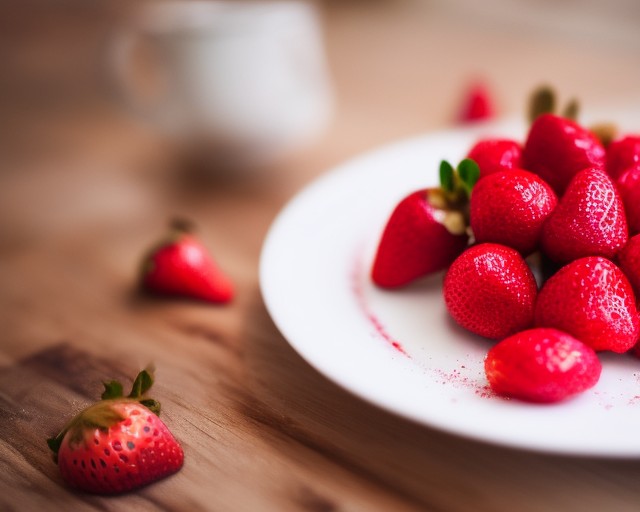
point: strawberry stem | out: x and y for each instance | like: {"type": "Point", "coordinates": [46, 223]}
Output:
{"type": "Point", "coordinates": [543, 101]}
{"type": "Point", "coordinates": [571, 110]}
{"type": "Point", "coordinates": [182, 225]}
{"type": "Point", "coordinates": [112, 389]}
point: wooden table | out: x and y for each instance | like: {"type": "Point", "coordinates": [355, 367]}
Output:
{"type": "Point", "coordinates": [85, 190]}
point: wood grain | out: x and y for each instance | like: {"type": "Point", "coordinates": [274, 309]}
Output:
{"type": "Point", "coordinates": [84, 191]}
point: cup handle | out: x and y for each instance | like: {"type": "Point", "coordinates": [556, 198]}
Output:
{"type": "Point", "coordinates": [120, 64]}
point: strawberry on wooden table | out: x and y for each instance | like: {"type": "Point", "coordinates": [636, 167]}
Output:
{"type": "Point", "coordinates": [589, 219]}
{"type": "Point", "coordinates": [118, 444]}
{"type": "Point", "coordinates": [490, 290]}
{"type": "Point", "coordinates": [180, 265]}
{"type": "Point", "coordinates": [426, 230]}
{"type": "Point", "coordinates": [541, 365]}
{"type": "Point", "coordinates": [591, 299]}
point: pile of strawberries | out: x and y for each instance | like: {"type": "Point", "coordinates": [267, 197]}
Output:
{"type": "Point", "coordinates": [565, 204]}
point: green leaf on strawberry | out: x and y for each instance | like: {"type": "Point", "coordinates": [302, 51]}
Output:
{"type": "Point", "coordinates": [447, 179]}
{"type": "Point", "coordinates": [469, 173]}
{"type": "Point", "coordinates": [142, 384]}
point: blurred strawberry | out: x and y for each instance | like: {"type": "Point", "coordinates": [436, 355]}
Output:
{"type": "Point", "coordinates": [628, 184]}
{"type": "Point", "coordinates": [629, 261]}
{"type": "Point", "coordinates": [623, 154]}
{"type": "Point", "coordinates": [477, 104]}
{"type": "Point", "coordinates": [181, 266]}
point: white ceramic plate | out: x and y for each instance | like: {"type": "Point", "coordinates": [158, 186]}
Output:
{"type": "Point", "coordinates": [399, 349]}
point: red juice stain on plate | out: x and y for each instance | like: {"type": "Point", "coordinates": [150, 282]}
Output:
{"type": "Point", "coordinates": [459, 379]}
{"type": "Point", "coordinates": [358, 291]}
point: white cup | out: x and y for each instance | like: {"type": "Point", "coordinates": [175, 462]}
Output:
{"type": "Point", "coordinates": [247, 79]}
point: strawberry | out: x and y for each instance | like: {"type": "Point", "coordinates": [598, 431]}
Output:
{"type": "Point", "coordinates": [490, 291]}
{"type": "Point", "coordinates": [509, 208]}
{"type": "Point", "coordinates": [426, 230]}
{"type": "Point", "coordinates": [623, 154]}
{"type": "Point", "coordinates": [589, 219]}
{"type": "Point", "coordinates": [541, 365]}
{"type": "Point", "coordinates": [557, 148]}
{"type": "Point", "coordinates": [118, 444]}
{"type": "Point", "coordinates": [180, 265]}
{"type": "Point", "coordinates": [629, 262]}
{"type": "Point", "coordinates": [628, 184]}
{"type": "Point", "coordinates": [591, 299]}
{"type": "Point", "coordinates": [493, 155]}
{"type": "Point", "coordinates": [477, 104]}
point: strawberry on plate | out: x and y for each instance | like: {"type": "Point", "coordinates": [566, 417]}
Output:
{"type": "Point", "coordinates": [628, 184]}
{"type": "Point", "coordinates": [629, 261]}
{"type": "Point", "coordinates": [541, 365]}
{"type": "Point", "coordinates": [510, 208]}
{"type": "Point", "coordinates": [622, 154]}
{"type": "Point", "coordinates": [557, 148]}
{"type": "Point", "coordinates": [490, 290]}
{"type": "Point", "coordinates": [495, 154]}
{"type": "Point", "coordinates": [589, 219]}
{"type": "Point", "coordinates": [118, 444]}
{"type": "Point", "coordinates": [180, 265]}
{"type": "Point", "coordinates": [591, 299]}
{"type": "Point", "coordinates": [426, 230]}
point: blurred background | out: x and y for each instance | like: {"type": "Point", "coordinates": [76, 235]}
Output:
{"type": "Point", "coordinates": [377, 71]}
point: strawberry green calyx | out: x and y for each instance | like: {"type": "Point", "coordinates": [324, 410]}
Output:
{"type": "Point", "coordinates": [543, 101]}
{"type": "Point", "coordinates": [456, 184]}
{"type": "Point", "coordinates": [102, 415]}
{"type": "Point", "coordinates": [452, 197]}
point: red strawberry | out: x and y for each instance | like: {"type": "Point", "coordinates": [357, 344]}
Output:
{"type": "Point", "coordinates": [628, 184]}
{"type": "Point", "coordinates": [490, 291]}
{"type": "Point", "coordinates": [118, 444]}
{"type": "Point", "coordinates": [623, 154]}
{"type": "Point", "coordinates": [426, 231]}
{"type": "Point", "coordinates": [493, 155]}
{"type": "Point", "coordinates": [477, 104]}
{"type": "Point", "coordinates": [629, 261]}
{"type": "Point", "coordinates": [591, 299]}
{"type": "Point", "coordinates": [180, 265]}
{"type": "Point", "coordinates": [589, 220]}
{"type": "Point", "coordinates": [557, 148]}
{"type": "Point", "coordinates": [509, 208]}
{"type": "Point", "coordinates": [415, 242]}
{"type": "Point", "coordinates": [541, 365]}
